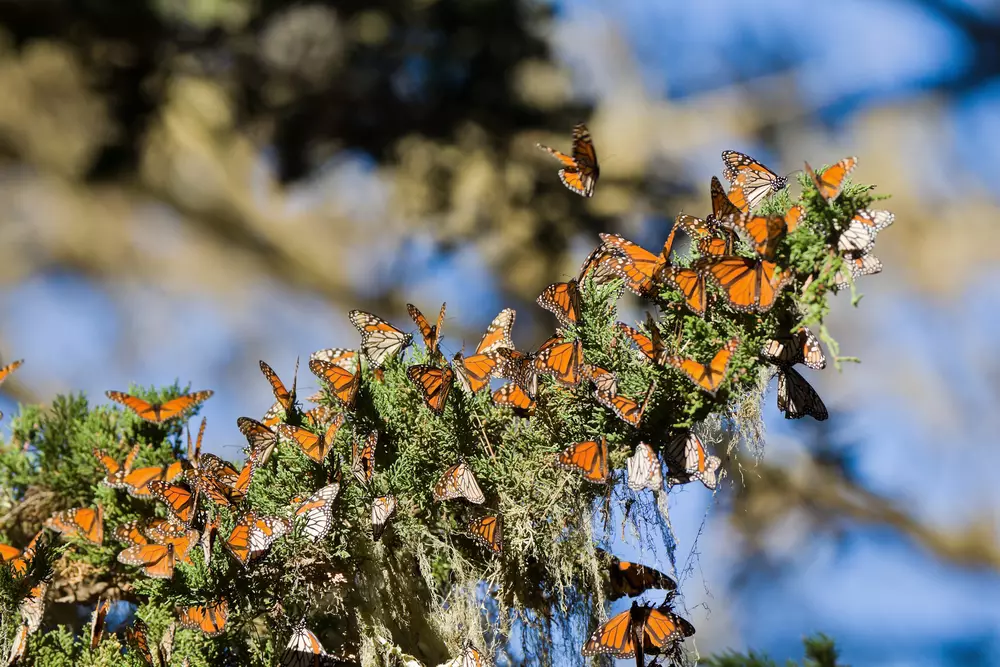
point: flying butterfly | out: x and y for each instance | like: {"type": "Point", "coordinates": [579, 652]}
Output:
{"type": "Point", "coordinates": [363, 459]}
{"type": "Point", "coordinates": [431, 334]}
{"type": "Point", "coordinates": [20, 559]}
{"type": "Point", "coordinates": [857, 266]}
{"type": "Point", "coordinates": [253, 534]}
{"type": "Point", "coordinates": [563, 301]}
{"type": "Point", "coordinates": [84, 522]}
{"type": "Point", "coordinates": [750, 285]}
{"type": "Point", "coordinates": [10, 368]}
{"type": "Point", "coordinates": [633, 579]}
{"type": "Point", "coordinates": [628, 410]}
{"type": "Point", "coordinates": [644, 471]}
{"type": "Point", "coordinates": [474, 373]}
{"type": "Point", "coordinates": [316, 512]}
{"type": "Point", "coordinates": [383, 507]}
{"type": "Point", "coordinates": [159, 412]}
{"type": "Point", "coordinates": [830, 182]}
{"type": "Point", "coordinates": [709, 377]}
{"type": "Point", "coordinates": [303, 650]}
{"type": "Point", "coordinates": [497, 334]}
{"type": "Point", "coordinates": [641, 629]}
{"type": "Point", "coordinates": [579, 172]}
{"type": "Point", "coordinates": [797, 398]}
{"type": "Point", "coordinates": [210, 619]}
{"type": "Point", "coordinates": [379, 339]}
{"type": "Point", "coordinates": [434, 384]}
{"type": "Point", "coordinates": [561, 359]}
{"type": "Point", "coordinates": [458, 481]}
{"type": "Point", "coordinates": [687, 460]}
{"type": "Point", "coordinates": [314, 446]}
{"type": "Point", "coordinates": [512, 396]}
{"type": "Point", "coordinates": [722, 208]}
{"type": "Point", "coordinates": [488, 531]}
{"type": "Point", "coordinates": [343, 383]}
{"type": "Point", "coordinates": [589, 458]}
{"type": "Point", "coordinates": [799, 347]}
{"type": "Point", "coordinates": [749, 180]}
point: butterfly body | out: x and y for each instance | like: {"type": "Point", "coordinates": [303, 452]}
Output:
{"type": "Point", "coordinates": [580, 171]}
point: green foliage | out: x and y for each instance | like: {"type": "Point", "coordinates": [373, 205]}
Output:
{"type": "Point", "coordinates": [820, 652]}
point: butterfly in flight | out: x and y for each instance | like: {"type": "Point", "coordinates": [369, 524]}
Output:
{"type": "Point", "coordinates": [379, 339]}
{"type": "Point", "coordinates": [20, 559]}
{"type": "Point", "coordinates": [383, 507]}
{"type": "Point", "coordinates": [797, 398]}
{"type": "Point", "coordinates": [830, 182]}
{"type": "Point", "coordinates": [314, 446]}
{"type": "Point", "coordinates": [488, 531]}
{"type": "Point", "coordinates": [799, 347]}
{"type": "Point", "coordinates": [475, 372]}
{"type": "Point", "coordinates": [159, 412]}
{"type": "Point", "coordinates": [431, 334]}
{"type": "Point", "coordinates": [644, 471]}
{"type": "Point", "coordinates": [563, 301]}
{"type": "Point", "coordinates": [210, 619]}
{"type": "Point", "coordinates": [641, 630]}
{"type": "Point", "coordinates": [458, 481]}
{"type": "Point", "coordinates": [749, 180]}
{"type": "Point", "coordinates": [633, 579]}
{"type": "Point", "coordinates": [363, 459]}
{"type": "Point", "coordinates": [84, 522]}
{"type": "Point", "coordinates": [579, 172]}
{"type": "Point", "coordinates": [589, 458]}
{"type": "Point", "coordinates": [434, 384]}
{"type": "Point", "coordinates": [316, 512]}
{"type": "Point", "coordinates": [709, 377]}
{"type": "Point", "coordinates": [750, 285]}
{"type": "Point", "coordinates": [687, 460]}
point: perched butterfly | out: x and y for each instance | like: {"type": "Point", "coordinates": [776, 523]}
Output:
{"type": "Point", "coordinates": [749, 181]}
{"type": "Point", "coordinates": [137, 637]}
{"type": "Point", "coordinates": [800, 347]}
{"type": "Point", "coordinates": [520, 369]}
{"type": "Point", "coordinates": [797, 398]}
{"type": "Point", "coordinates": [632, 579]}
{"type": "Point", "coordinates": [512, 396]}
{"type": "Point", "coordinates": [19, 559]}
{"type": "Point", "coordinates": [643, 629]}
{"type": "Point", "coordinates": [469, 657]}
{"type": "Point", "coordinates": [497, 335]}
{"type": "Point", "coordinates": [431, 334]}
{"type": "Point", "coordinates": [316, 512]}
{"type": "Point", "coordinates": [750, 285]}
{"type": "Point", "coordinates": [303, 650]}
{"type": "Point", "coordinates": [458, 481]}
{"type": "Point", "coordinates": [97, 623]}
{"type": "Point", "coordinates": [722, 208]}
{"type": "Point", "coordinates": [639, 267]}
{"type": "Point", "coordinates": [858, 238]}
{"type": "Point", "coordinates": [644, 469]}
{"type": "Point", "coordinates": [284, 396]}
{"type": "Point", "coordinates": [691, 282]}
{"type": "Point", "coordinates": [260, 438]}
{"type": "Point", "coordinates": [159, 412]}
{"type": "Point", "coordinates": [210, 619]}
{"type": "Point", "coordinates": [580, 172]}
{"type": "Point", "coordinates": [383, 508]}
{"type": "Point", "coordinates": [488, 531]}
{"type": "Point", "coordinates": [336, 355]}
{"type": "Point", "coordinates": [434, 384]}
{"type": "Point", "coordinates": [708, 377]}
{"type": "Point", "coordinates": [687, 461]}
{"type": "Point", "coordinates": [343, 383]}
{"type": "Point", "coordinates": [874, 220]}
{"type": "Point", "coordinates": [563, 301]}
{"type": "Point", "coordinates": [131, 533]}
{"type": "Point", "coordinates": [652, 350]}
{"type": "Point", "coordinates": [207, 539]}
{"type": "Point", "coordinates": [179, 536]}
{"type": "Point", "coordinates": [314, 446]}
{"type": "Point", "coordinates": [363, 460]}
{"type": "Point", "coordinates": [830, 182]}
{"type": "Point", "coordinates": [604, 380]}
{"type": "Point", "coordinates": [379, 339]}
{"type": "Point", "coordinates": [710, 236]}
{"type": "Point", "coordinates": [83, 522]}
{"type": "Point", "coordinates": [589, 458]}
{"type": "Point", "coordinates": [320, 416]}
{"type": "Point", "coordinates": [156, 560]}
{"type": "Point", "coordinates": [861, 265]}
{"type": "Point", "coordinates": [627, 409]}
{"type": "Point", "coordinates": [474, 373]}
{"type": "Point", "coordinates": [180, 500]}
{"type": "Point", "coordinates": [561, 359]}
{"type": "Point", "coordinates": [32, 608]}
{"type": "Point", "coordinates": [603, 264]}
{"type": "Point", "coordinates": [253, 534]}
{"type": "Point", "coordinates": [766, 231]}
{"type": "Point", "coordinates": [116, 473]}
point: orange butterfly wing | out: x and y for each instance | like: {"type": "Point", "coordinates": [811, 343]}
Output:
{"type": "Point", "coordinates": [343, 383]}
{"type": "Point", "coordinates": [488, 531]}
{"type": "Point", "coordinates": [612, 638]}
{"type": "Point", "coordinates": [137, 481]}
{"type": "Point", "coordinates": [157, 412]}
{"type": "Point", "coordinates": [691, 283]}
{"type": "Point", "coordinates": [512, 396]}
{"type": "Point", "coordinates": [281, 393]}
{"type": "Point", "coordinates": [210, 619]}
{"type": "Point", "coordinates": [10, 368]}
{"type": "Point", "coordinates": [640, 266]}
{"type": "Point", "coordinates": [562, 300]}
{"type": "Point", "coordinates": [431, 334]}
{"type": "Point", "coordinates": [180, 500]}
{"type": "Point", "coordinates": [830, 183]}
{"type": "Point", "coordinates": [562, 359]}
{"type": "Point", "coordinates": [708, 377]}
{"type": "Point", "coordinates": [580, 172]}
{"type": "Point", "coordinates": [476, 371]}
{"type": "Point", "coordinates": [722, 208]}
{"type": "Point", "coordinates": [85, 522]}
{"type": "Point", "coordinates": [750, 285]}
{"type": "Point", "coordinates": [498, 333]}
{"type": "Point", "coordinates": [589, 458]}
{"type": "Point", "coordinates": [156, 560]}
{"type": "Point", "coordinates": [434, 384]}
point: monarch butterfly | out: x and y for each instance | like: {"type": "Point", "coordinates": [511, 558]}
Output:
{"type": "Point", "coordinates": [131, 533]}
{"type": "Point", "coordinates": [633, 579]}
{"type": "Point", "coordinates": [260, 438]}
{"type": "Point", "coordinates": [469, 657]}
{"type": "Point", "coordinates": [653, 351]}
{"type": "Point", "coordinates": [475, 372]}
{"type": "Point", "coordinates": [219, 470]}
{"type": "Point", "coordinates": [284, 396]}
{"type": "Point", "coordinates": [799, 347]}
{"type": "Point", "coordinates": [116, 473]}
{"type": "Point", "coordinates": [497, 335]}
{"type": "Point", "coordinates": [210, 486]}
{"type": "Point", "coordinates": [32, 608]}
{"type": "Point", "coordinates": [336, 355]}
{"type": "Point", "coordinates": [383, 508]}
{"type": "Point", "coordinates": [320, 416]}
{"type": "Point", "coordinates": [254, 534]}
{"type": "Point", "coordinates": [180, 537]}
{"type": "Point", "coordinates": [710, 237]}
{"type": "Point", "coordinates": [644, 469]}
{"type": "Point", "coordinates": [687, 460]}
{"type": "Point", "coordinates": [84, 522]}
{"type": "Point", "coordinates": [156, 560]}
{"type": "Point", "coordinates": [604, 380]}
{"type": "Point", "coordinates": [379, 339]}
{"type": "Point", "coordinates": [431, 334]}
{"type": "Point", "coordinates": [875, 220]}
{"type": "Point", "coordinates": [303, 649]}
{"type": "Point", "coordinates": [830, 182]}
{"type": "Point", "coordinates": [708, 377]}
{"type": "Point", "coordinates": [639, 267]}
{"type": "Point", "coordinates": [797, 398]}
{"type": "Point", "coordinates": [861, 265]}
{"type": "Point", "coordinates": [488, 531]}
{"type": "Point", "coordinates": [210, 619]}
{"type": "Point", "coordinates": [589, 458]}
{"type": "Point", "coordinates": [722, 208]}
{"type": "Point", "coordinates": [159, 412]}
{"type": "Point", "coordinates": [561, 359]}
{"type": "Point", "coordinates": [520, 369]}
{"type": "Point", "coordinates": [273, 416]}
{"type": "Point", "coordinates": [165, 648]}
{"type": "Point", "coordinates": [363, 461]}
{"type": "Point", "coordinates": [750, 285]}
{"type": "Point", "coordinates": [766, 231]}
{"type": "Point", "coordinates": [512, 396]}
{"type": "Point", "coordinates": [627, 409]}
{"type": "Point", "coordinates": [641, 629]}
{"type": "Point", "coordinates": [180, 500]}
{"type": "Point", "coordinates": [19, 559]}
{"type": "Point", "coordinates": [137, 637]}
{"type": "Point", "coordinates": [458, 481]}
{"type": "Point", "coordinates": [207, 539]}
{"type": "Point", "coordinates": [316, 512]}
{"type": "Point", "coordinates": [434, 384]}
{"type": "Point", "coordinates": [749, 180]}
{"type": "Point", "coordinates": [343, 383]}
{"type": "Point", "coordinates": [602, 265]}
{"type": "Point", "coordinates": [563, 301]}
{"type": "Point", "coordinates": [9, 368]}
{"type": "Point", "coordinates": [97, 623]}
{"type": "Point", "coordinates": [580, 172]}
{"type": "Point", "coordinates": [856, 238]}
{"type": "Point", "coordinates": [313, 446]}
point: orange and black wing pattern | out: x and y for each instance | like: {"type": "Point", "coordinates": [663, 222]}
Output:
{"type": "Point", "coordinates": [512, 396]}
{"type": "Point", "coordinates": [639, 267]}
{"type": "Point", "coordinates": [707, 376]}
{"type": "Point", "coordinates": [488, 531]}
{"type": "Point", "coordinates": [284, 396]}
{"type": "Point", "coordinates": [84, 522]}
{"type": "Point", "coordinates": [562, 359]}
{"type": "Point", "coordinates": [497, 335]}
{"type": "Point", "coordinates": [691, 282]}
{"type": "Point", "coordinates": [180, 500]}
{"type": "Point", "coordinates": [475, 372]}
{"type": "Point", "coordinates": [156, 560]}
{"type": "Point", "coordinates": [628, 409]}
{"type": "Point", "coordinates": [10, 368]}
{"type": "Point", "coordinates": [363, 458]}
{"type": "Point", "coordinates": [431, 334]}
{"type": "Point", "coordinates": [749, 180]}
{"type": "Point", "coordinates": [314, 446]}
{"type": "Point", "coordinates": [589, 458]}
{"type": "Point", "coordinates": [579, 172]}
{"type": "Point", "coordinates": [159, 412]}
{"type": "Point", "coordinates": [563, 301]}
{"type": "Point", "coordinates": [633, 579]}
{"type": "Point", "coordinates": [343, 383]}
{"type": "Point", "coordinates": [830, 182]}
{"type": "Point", "coordinates": [612, 638]}
{"type": "Point", "coordinates": [210, 619]}
{"type": "Point", "coordinates": [434, 384]}
{"type": "Point", "coordinates": [749, 285]}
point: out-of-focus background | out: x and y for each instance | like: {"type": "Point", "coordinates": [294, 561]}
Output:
{"type": "Point", "coordinates": [189, 186]}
